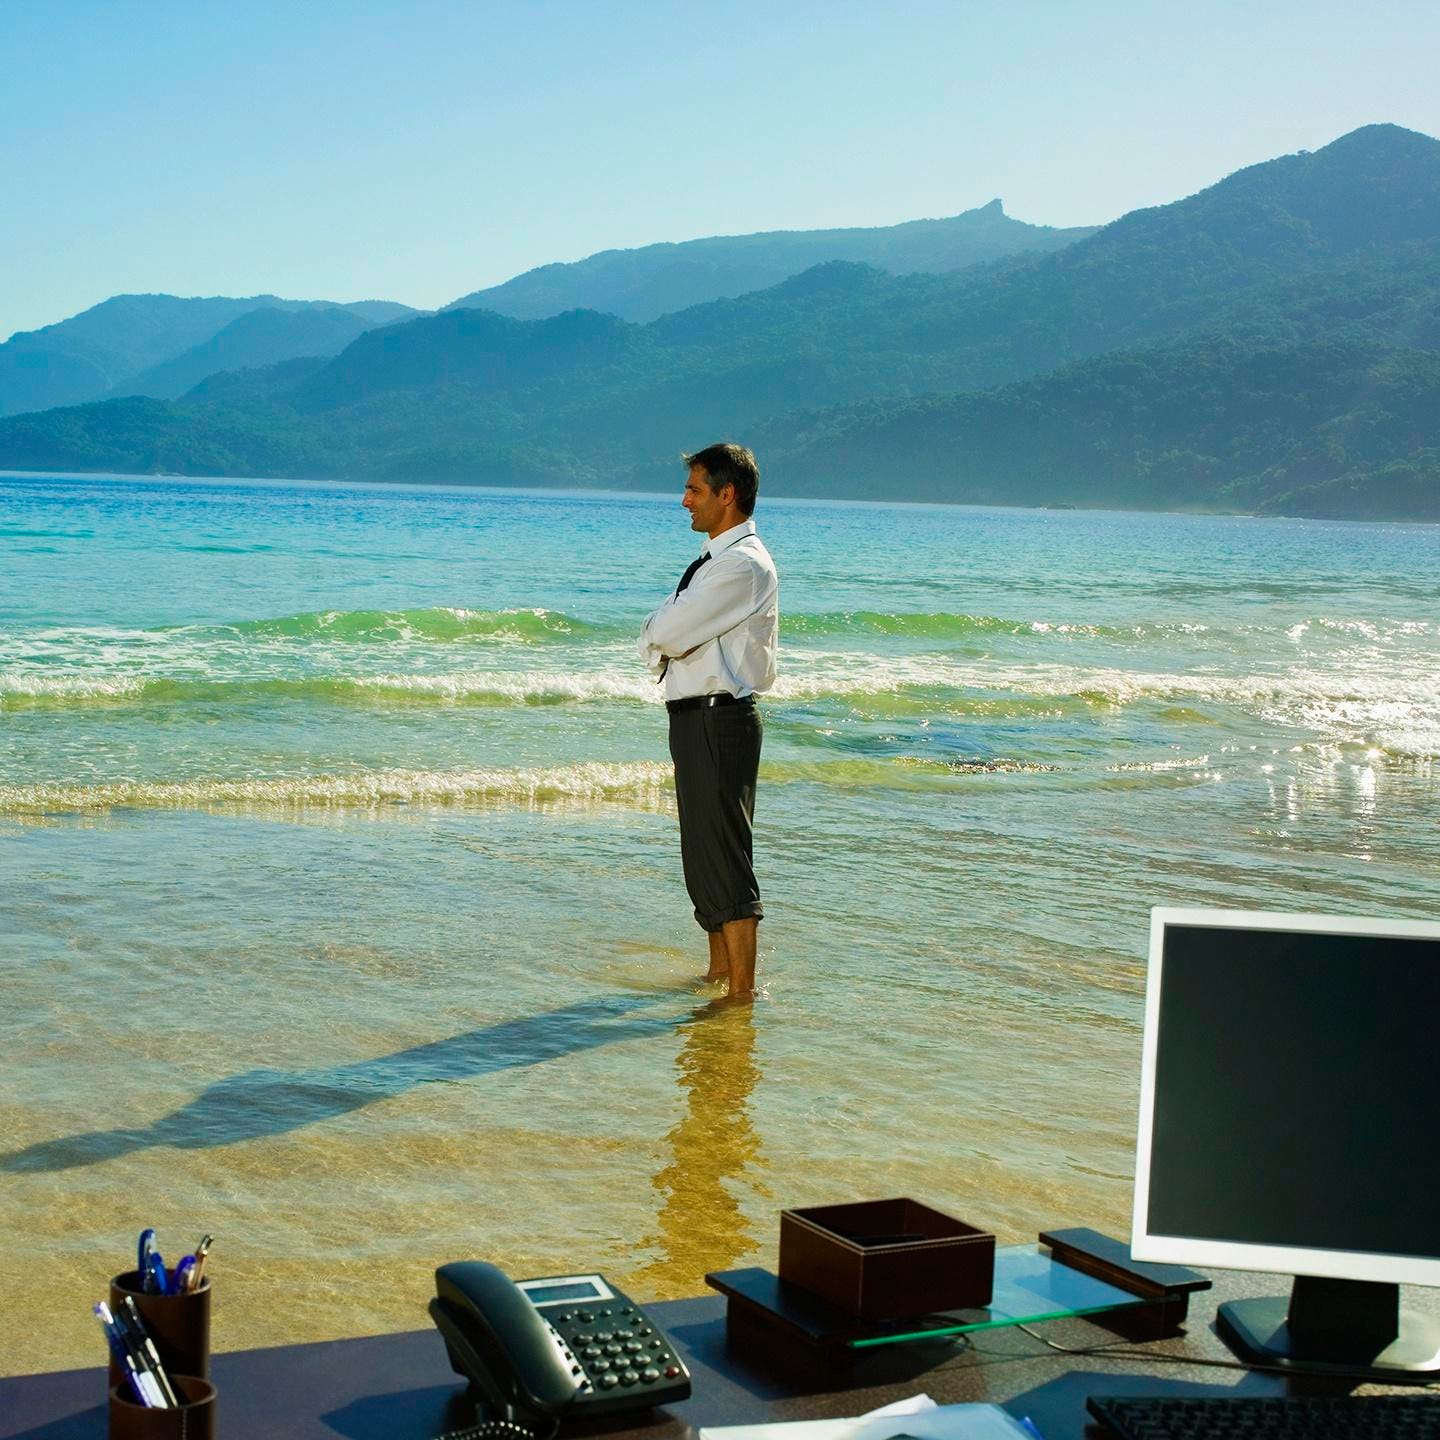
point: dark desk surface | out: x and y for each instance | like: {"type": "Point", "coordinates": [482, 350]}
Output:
{"type": "Point", "coordinates": [400, 1387]}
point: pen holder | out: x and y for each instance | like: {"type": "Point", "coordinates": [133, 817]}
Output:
{"type": "Point", "coordinates": [192, 1419]}
{"type": "Point", "coordinates": [178, 1324]}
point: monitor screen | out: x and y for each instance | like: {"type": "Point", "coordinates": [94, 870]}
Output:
{"type": "Point", "coordinates": [1290, 1096]}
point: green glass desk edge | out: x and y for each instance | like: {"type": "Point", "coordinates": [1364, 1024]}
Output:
{"type": "Point", "coordinates": [1015, 1265]}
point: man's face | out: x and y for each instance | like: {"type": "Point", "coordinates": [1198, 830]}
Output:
{"type": "Point", "coordinates": [706, 506]}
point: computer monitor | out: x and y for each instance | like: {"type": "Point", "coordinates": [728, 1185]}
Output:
{"type": "Point", "coordinates": [1289, 1121]}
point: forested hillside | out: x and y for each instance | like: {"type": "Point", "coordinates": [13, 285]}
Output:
{"type": "Point", "coordinates": [113, 347]}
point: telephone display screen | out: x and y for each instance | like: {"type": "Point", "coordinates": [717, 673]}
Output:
{"type": "Point", "coordinates": [566, 1290]}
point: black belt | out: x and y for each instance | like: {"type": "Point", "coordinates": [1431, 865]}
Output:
{"type": "Point", "coordinates": [704, 702]}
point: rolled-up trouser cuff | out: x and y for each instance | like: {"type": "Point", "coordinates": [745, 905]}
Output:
{"type": "Point", "coordinates": [746, 910]}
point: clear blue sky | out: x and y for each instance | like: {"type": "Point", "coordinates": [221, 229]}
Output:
{"type": "Point", "coordinates": [339, 149]}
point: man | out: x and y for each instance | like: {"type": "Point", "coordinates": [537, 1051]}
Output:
{"type": "Point", "coordinates": [713, 644]}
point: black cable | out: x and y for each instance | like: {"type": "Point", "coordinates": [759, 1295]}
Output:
{"type": "Point", "coordinates": [499, 1430]}
{"type": "Point", "coordinates": [1169, 1357]}
{"type": "Point", "coordinates": [1120, 1351]}
{"type": "Point", "coordinates": [1134, 1352]}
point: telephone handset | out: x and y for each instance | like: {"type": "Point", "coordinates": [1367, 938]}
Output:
{"type": "Point", "coordinates": [554, 1347]}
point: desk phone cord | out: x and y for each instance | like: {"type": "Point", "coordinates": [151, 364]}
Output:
{"type": "Point", "coordinates": [499, 1430]}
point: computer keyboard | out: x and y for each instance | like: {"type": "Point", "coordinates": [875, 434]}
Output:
{"type": "Point", "coordinates": [1259, 1417]}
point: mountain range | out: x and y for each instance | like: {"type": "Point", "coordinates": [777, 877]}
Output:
{"type": "Point", "coordinates": [1271, 343]}
{"type": "Point", "coordinates": [654, 280]}
{"type": "Point", "coordinates": [163, 344]}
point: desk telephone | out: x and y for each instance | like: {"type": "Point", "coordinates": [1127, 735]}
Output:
{"type": "Point", "coordinates": [553, 1348]}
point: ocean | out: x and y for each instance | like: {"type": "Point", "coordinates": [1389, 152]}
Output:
{"type": "Point", "coordinates": [340, 899]}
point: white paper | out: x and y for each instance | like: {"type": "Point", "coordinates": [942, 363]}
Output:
{"type": "Point", "coordinates": [912, 1405]}
{"type": "Point", "coordinates": [945, 1422]}
{"type": "Point", "coordinates": [918, 1416]}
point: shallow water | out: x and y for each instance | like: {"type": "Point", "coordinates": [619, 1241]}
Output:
{"type": "Point", "coordinates": [340, 896]}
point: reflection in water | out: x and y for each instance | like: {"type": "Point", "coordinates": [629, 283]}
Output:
{"type": "Point", "coordinates": [712, 1146]}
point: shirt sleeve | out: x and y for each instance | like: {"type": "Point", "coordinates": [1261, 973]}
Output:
{"type": "Point", "coordinates": [725, 599]}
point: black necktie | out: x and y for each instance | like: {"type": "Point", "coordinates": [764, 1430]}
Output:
{"type": "Point", "coordinates": [689, 574]}
{"type": "Point", "coordinates": [685, 579]}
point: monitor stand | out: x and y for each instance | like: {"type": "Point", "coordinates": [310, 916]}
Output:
{"type": "Point", "coordinates": [1352, 1328]}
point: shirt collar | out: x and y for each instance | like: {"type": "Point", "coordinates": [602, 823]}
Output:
{"type": "Point", "coordinates": [727, 538]}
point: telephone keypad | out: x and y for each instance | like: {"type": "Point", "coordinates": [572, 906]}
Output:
{"type": "Point", "coordinates": [618, 1347]}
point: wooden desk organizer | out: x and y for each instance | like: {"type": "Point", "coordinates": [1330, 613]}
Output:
{"type": "Point", "coordinates": [881, 1259]}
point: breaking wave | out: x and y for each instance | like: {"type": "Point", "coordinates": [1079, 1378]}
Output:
{"type": "Point", "coordinates": [436, 623]}
{"type": "Point", "coordinates": [1361, 707]}
{"type": "Point", "coordinates": [640, 782]}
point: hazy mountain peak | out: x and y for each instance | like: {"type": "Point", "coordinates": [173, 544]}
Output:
{"type": "Point", "coordinates": [118, 343]}
{"type": "Point", "coordinates": [654, 280]}
{"type": "Point", "coordinates": [1376, 186]}
{"type": "Point", "coordinates": [1367, 139]}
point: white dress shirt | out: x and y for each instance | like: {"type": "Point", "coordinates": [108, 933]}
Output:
{"type": "Point", "coordinates": [728, 616]}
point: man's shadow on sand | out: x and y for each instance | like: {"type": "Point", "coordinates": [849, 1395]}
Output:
{"type": "Point", "coordinates": [262, 1103]}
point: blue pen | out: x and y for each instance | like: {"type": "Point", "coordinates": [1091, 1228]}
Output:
{"type": "Point", "coordinates": [140, 1383]}
{"type": "Point", "coordinates": [143, 1251]}
{"type": "Point", "coordinates": [180, 1276]}
{"type": "Point", "coordinates": [1031, 1426]}
{"type": "Point", "coordinates": [145, 1353]}
{"type": "Point", "coordinates": [155, 1281]}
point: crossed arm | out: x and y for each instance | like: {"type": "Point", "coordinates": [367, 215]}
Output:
{"type": "Point", "coordinates": [702, 613]}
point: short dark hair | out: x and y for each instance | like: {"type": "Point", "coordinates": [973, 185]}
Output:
{"type": "Point", "coordinates": [730, 465]}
